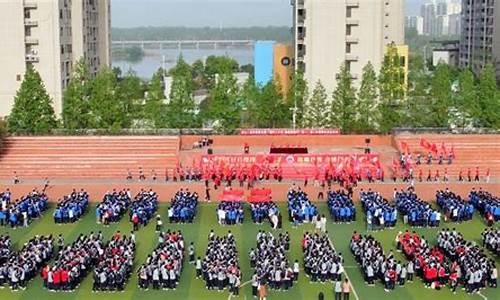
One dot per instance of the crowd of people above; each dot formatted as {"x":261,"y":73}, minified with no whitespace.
{"x":71,"y":207}
{"x":230,"y":213}
{"x":491,"y":240}
{"x":321,"y":261}
{"x":114,"y":266}
{"x":270,"y":263}
{"x":267,"y":210}
{"x":472,"y":266}
{"x":113,"y":206}
{"x":25,"y":264}
{"x":300,"y":209}
{"x":415,"y":211}
{"x":428,"y":263}
{"x":5,"y":250}
{"x":73,"y":263}
{"x":163,"y":267}
{"x":379,"y":212}
{"x":375,"y":264}
{"x":341,"y":207}
{"x":453,"y":206}
{"x":143,"y":208}
{"x":21,"y":212}
{"x":220,"y":267}
{"x":183,"y":207}
{"x":487,"y":204}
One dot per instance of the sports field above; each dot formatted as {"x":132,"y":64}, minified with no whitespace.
{"x":193,"y":289}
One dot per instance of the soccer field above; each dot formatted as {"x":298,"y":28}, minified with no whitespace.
{"x":192,"y":288}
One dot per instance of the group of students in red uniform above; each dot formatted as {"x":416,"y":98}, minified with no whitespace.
{"x":453,"y":261}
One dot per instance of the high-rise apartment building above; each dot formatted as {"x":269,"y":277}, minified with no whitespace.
{"x":441,"y":17}
{"x":51,"y":35}
{"x":329,"y":33}
{"x":480,"y":39}
{"x":415,"y":22}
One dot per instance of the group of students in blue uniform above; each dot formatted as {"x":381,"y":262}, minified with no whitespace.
{"x":341,"y":207}
{"x":143,"y":208}
{"x":183,"y":207}
{"x":487,"y":204}
{"x":24,"y":210}
{"x":71,"y":207}
{"x":415,"y":211}
{"x":230,"y":213}
{"x":113,"y":206}
{"x":262,"y":211}
{"x":453,"y":206}
{"x":300,"y":209}
{"x":379,"y":212}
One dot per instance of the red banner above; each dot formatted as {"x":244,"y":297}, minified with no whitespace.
{"x":278,"y":159}
{"x":231,"y":195}
{"x":285,"y":131}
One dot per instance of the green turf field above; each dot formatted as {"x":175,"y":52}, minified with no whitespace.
{"x":193,"y":289}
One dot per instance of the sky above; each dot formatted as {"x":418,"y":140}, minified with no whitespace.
{"x":200,"y":13}
{"x":211,"y":13}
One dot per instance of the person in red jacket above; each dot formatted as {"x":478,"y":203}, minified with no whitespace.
{"x":64,"y":279}
{"x":57,"y":279}
{"x":45,"y":275}
{"x":476,"y":178}
{"x":453,"y":279}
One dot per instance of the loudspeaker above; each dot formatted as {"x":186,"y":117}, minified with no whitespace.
{"x":368,"y":140}
{"x":367,"y":151}
{"x":210,"y":151}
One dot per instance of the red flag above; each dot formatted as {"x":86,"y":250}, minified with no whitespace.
{"x":404,"y":147}
{"x":443,"y":149}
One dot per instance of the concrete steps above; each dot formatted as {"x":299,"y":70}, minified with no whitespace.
{"x":87,"y":157}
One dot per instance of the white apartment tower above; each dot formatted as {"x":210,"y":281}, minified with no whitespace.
{"x":329,"y":33}
{"x":52,"y":35}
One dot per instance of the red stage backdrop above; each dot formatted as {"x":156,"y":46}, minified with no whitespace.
{"x":296,"y":166}
{"x":285,"y":131}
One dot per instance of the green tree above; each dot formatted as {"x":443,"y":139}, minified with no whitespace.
{"x":223,"y":108}
{"x":32,"y":112}
{"x":106,"y":110}
{"x":131,"y":94}
{"x":75,"y":114}
{"x":466,"y":98}
{"x":316,"y":114}
{"x":154,"y":108}
{"x":269,"y":110}
{"x":343,"y":101}
{"x":391,"y":90}
{"x":441,"y":95}
{"x":215,"y":65}
{"x":366,"y":104}
{"x":297,"y":95}
{"x":488,"y":98}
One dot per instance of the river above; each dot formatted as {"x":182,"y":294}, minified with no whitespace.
{"x":154,"y":59}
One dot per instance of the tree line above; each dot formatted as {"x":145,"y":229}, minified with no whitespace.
{"x":270,"y":33}
{"x":435,"y":97}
